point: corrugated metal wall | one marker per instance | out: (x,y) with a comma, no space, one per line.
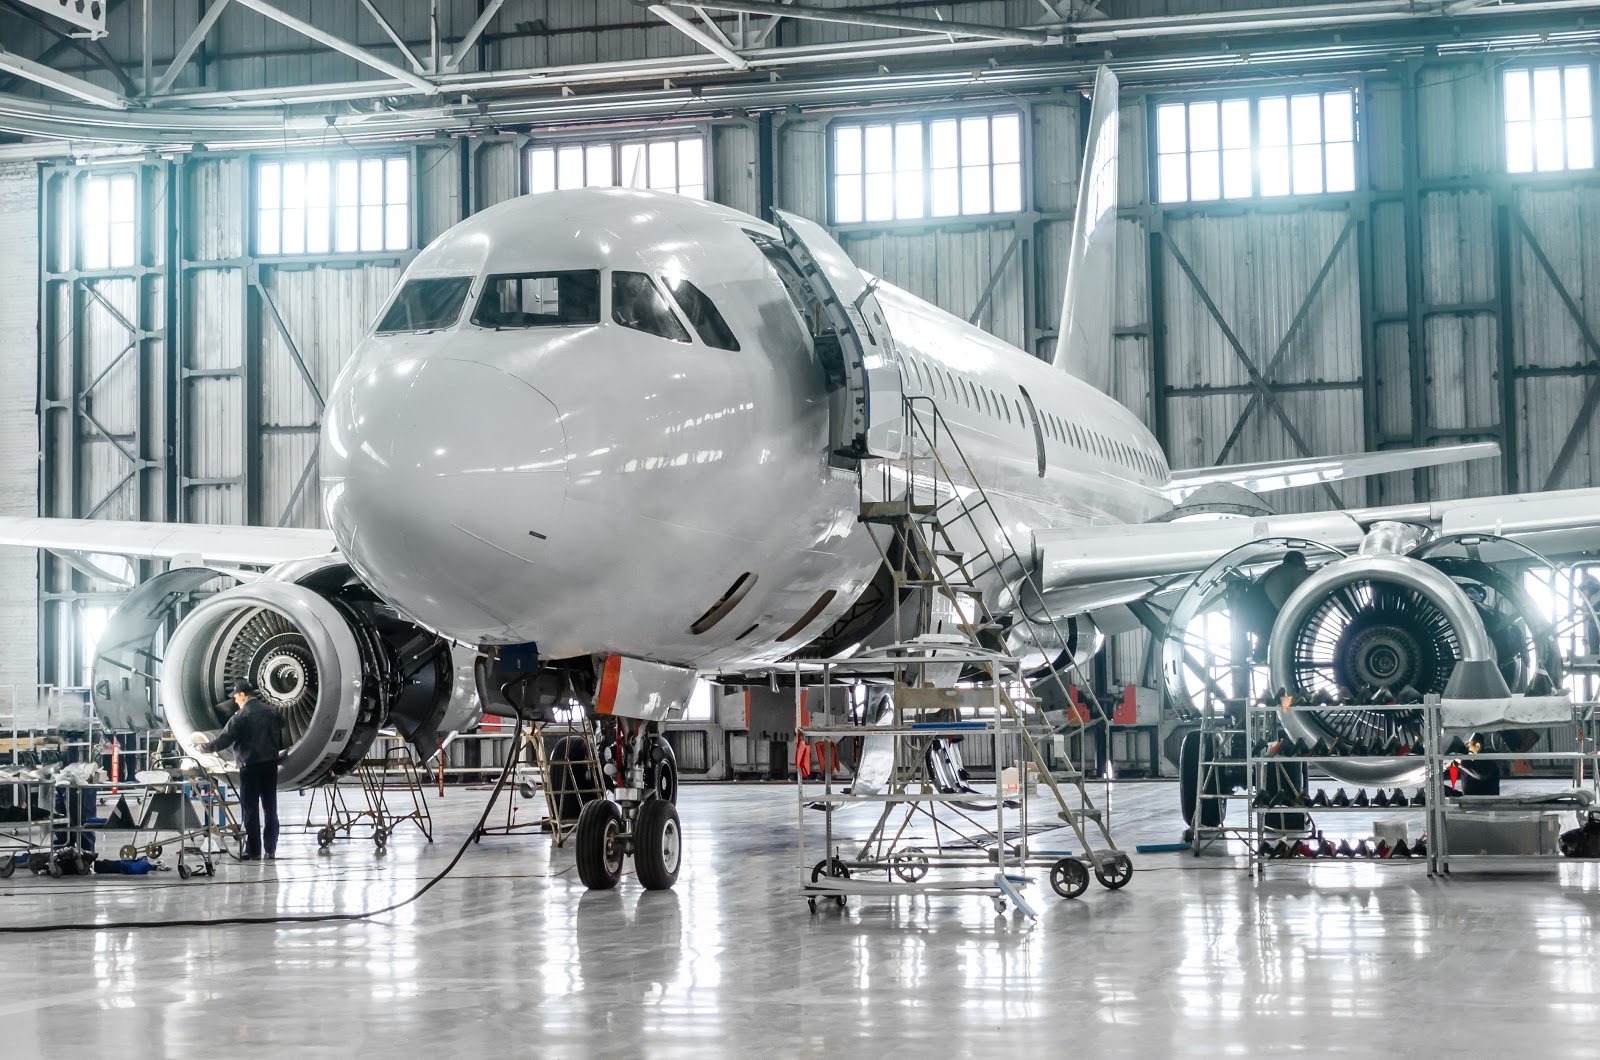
(1402,343)
(19,427)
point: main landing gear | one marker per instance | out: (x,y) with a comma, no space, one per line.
(638,817)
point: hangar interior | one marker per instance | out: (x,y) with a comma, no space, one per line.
(1340,228)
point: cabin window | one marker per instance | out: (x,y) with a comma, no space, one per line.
(638,304)
(539,300)
(702,314)
(426,305)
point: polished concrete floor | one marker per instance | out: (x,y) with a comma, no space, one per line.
(509,956)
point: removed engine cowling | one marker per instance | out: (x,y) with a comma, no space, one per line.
(335,661)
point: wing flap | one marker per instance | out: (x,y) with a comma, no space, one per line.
(248,545)
(1272,475)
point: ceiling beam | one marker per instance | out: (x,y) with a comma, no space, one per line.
(699,36)
(389,31)
(190,45)
(339,44)
(852,17)
(470,41)
(72,86)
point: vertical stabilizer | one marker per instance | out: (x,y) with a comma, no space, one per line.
(1084,342)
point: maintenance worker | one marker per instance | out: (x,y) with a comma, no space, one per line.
(1263,600)
(256,733)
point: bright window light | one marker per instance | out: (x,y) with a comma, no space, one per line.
(349,206)
(1304,144)
(106,221)
(904,170)
(1549,119)
(700,703)
(676,164)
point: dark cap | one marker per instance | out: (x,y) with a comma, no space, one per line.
(245,687)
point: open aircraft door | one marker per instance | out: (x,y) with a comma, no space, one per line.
(853,343)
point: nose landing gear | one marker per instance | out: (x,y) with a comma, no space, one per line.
(639,819)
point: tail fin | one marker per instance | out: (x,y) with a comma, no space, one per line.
(1084,341)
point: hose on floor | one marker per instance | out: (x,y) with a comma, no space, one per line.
(302,918)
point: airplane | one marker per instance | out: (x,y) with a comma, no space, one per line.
(599,443)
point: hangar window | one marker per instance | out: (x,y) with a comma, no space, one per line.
(539,300)
(1304,144)
(106,222)
(946,167)
(350,206)
(1549,119)
(674,164)
(637,303)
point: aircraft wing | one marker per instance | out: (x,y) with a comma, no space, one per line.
(230,545)
(1283,474)
(1088,567)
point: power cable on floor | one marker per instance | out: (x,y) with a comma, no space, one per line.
(302,918)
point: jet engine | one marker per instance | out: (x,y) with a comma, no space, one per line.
(1406,616)
(337,663)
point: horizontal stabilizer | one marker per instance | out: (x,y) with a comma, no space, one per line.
(1283,474)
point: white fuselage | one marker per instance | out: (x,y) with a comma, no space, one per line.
(596,488)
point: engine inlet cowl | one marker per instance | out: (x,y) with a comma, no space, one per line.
(304,652)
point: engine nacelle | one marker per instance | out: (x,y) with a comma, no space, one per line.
(334,660)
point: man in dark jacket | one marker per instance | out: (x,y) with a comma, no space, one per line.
(255,732)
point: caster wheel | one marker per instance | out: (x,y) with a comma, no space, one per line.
(53,867)
(8,865)
(999,906)
(325,836)
(183,871)
(84,864)
(1069,878)
(526,791)
(211,868)
(128,853)
(1114,872)
(812,902)
(840,901)
(600,845)
(909,864)
(155,851)
(380,839)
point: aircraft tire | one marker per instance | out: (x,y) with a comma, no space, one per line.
(657,845)
(600,850)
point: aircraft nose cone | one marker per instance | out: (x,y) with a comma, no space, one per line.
(444,481)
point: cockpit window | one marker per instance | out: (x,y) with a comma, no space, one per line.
(539,300)
(637,303)
(702,314)
(426,305)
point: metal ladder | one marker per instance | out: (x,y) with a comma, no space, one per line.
(928,502)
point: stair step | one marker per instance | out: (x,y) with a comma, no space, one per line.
(892,511)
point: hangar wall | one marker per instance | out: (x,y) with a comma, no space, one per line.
(1440,302)
(19,428)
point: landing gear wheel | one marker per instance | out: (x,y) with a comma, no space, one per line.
(831,867)
(1069,878)
(128,853)
(325,836)
(1114,872)
(8,865)
(1212,810)
(600,849)
(664,771)
(657,845)
(909,864)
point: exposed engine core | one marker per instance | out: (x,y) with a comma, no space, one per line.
(337,663)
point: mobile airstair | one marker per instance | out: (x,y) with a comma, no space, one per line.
(965,666)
